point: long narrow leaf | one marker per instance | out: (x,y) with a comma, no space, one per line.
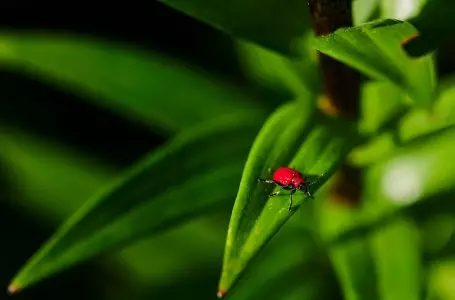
(142,85)
(40,173)
(265,22)
(256,219)
(198,170)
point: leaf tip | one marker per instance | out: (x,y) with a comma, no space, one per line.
(221,293)
(12,289)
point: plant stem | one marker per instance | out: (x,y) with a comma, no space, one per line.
(341,89)
(341,83)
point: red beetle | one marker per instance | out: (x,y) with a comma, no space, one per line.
(291,179)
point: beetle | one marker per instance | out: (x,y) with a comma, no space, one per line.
(293,180)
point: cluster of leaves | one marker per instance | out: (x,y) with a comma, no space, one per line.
(221,142)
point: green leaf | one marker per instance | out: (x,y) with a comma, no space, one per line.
(296,76)
(441,274)
(418,170)
(172,184)
(355,256)
(144,86)
(435,24)
(255,219)
(352,258)
(285,254)
(377,114)
(419,122)
(397,258)
(173,255)
(267,23)
(401,9)
(353,264)
(270,69)
(374,49)
(363,10)
(41,173)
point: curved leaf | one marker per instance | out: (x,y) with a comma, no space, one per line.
(144,86)
(374,49)
(41,174)
(256,219)
(174,183)
(268,23)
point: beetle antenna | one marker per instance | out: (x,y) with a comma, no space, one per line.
(265,180)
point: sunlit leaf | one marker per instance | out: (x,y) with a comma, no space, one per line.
(401,9)
(441,274)
(142,85)
(150,197)
(362,10)
(320,147)
(374,49)
(268,23)
(416,171)
(274,146)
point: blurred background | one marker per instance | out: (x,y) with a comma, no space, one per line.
(58,146)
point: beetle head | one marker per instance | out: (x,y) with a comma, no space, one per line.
(302,187)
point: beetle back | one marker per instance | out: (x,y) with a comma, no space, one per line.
(287,176)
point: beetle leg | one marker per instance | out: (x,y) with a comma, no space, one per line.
(307,191)
(275,193)
(309,194)
(290,203)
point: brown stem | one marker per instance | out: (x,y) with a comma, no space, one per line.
(341,89)
(347,186)
(341,83)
